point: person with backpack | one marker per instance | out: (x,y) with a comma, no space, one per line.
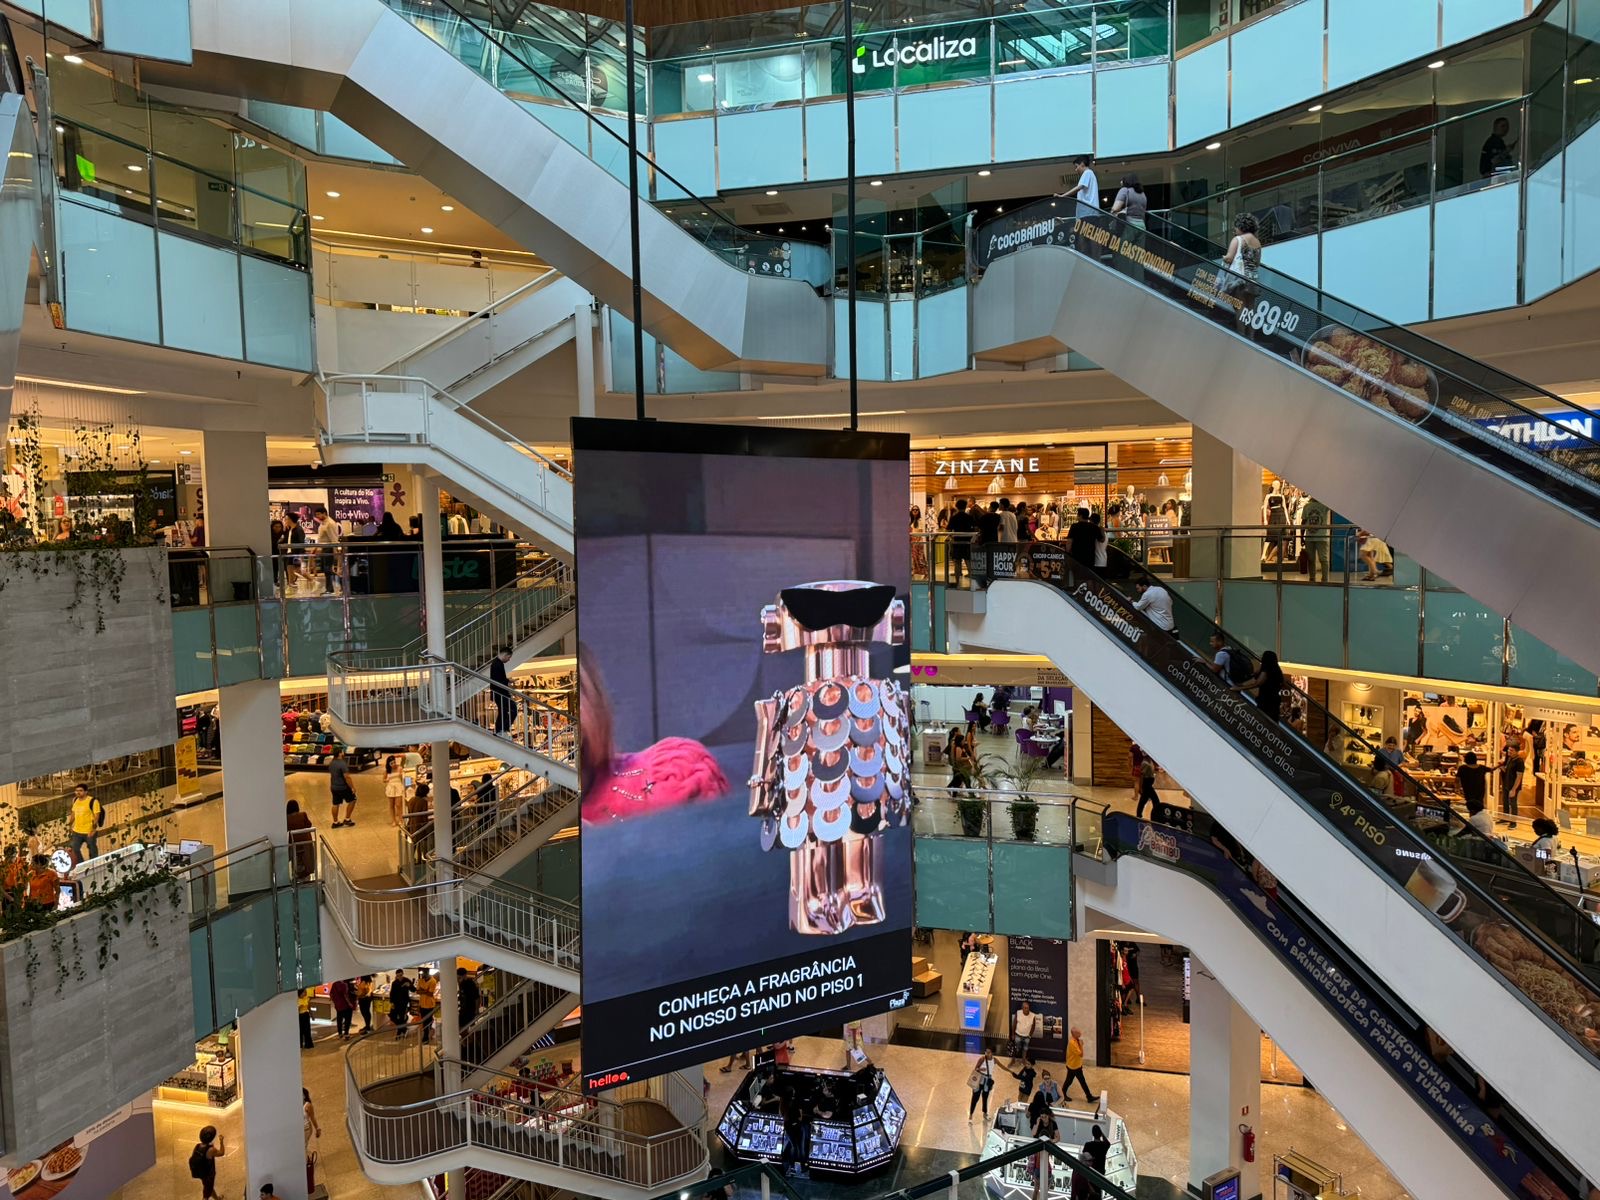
(88,815)
(203,1161)
(400,1003)
(1230,664)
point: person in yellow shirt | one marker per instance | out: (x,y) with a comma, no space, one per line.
(1075,1066)
(87,814)
(427,1001)
(364,1002)
(305,1020)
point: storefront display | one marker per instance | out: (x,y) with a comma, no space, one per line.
(212,1079)
(977,989)
(852,1120)
(1018,1180)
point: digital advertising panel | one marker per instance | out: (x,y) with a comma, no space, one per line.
(743,669)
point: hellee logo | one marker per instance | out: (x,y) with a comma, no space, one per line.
(930,50)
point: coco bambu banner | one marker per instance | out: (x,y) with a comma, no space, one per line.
(745,749)
(1396,1041)
(1426,867)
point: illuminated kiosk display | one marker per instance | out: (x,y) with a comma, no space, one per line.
(1015,1180)
(853,1118)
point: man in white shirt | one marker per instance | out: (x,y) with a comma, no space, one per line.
(1087,188)
(1026,1026)
(1155,602)
(1008,522)
(328,557)
(458,522)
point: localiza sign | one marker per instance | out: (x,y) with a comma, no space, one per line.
(926,50)
(912,57)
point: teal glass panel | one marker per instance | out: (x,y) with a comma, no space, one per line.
(1203,93)
(759,149)
(680,376)
(1131,112)
(952,883)
(1407,573)
(277,314)
(921,627)
(244,956)
(1313,625)
(1536,665)
(943,128)
(942,333)
(1250,613)
(205,1016)
(272,665)
(299,940)
(1461,639)
(200,298)
(238,652)
(108,266)
(1202,593)
(145,28)
(191,650)
(1032,890)
(1044,116)
(1383,630)
(1277,62)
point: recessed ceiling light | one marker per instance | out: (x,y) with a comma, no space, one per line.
(135,167)
(706,77)
(331,195)
(72,58)
(87,387)
(1213,145)
(185,453)
(772,191)
(1582,82)
(427,229)
(1315,108)
(877,183)
(155,462)
(1436,64)
(447,208)
(318,217)
(61,128)
(985,173)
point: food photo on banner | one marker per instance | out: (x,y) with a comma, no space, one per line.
(93,1164)
(744,752)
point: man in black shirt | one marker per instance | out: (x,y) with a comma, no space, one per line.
(468,997)
(505,704)
(963,526)
(1495,153)
(1473,777)
(1082,538)
(989,527)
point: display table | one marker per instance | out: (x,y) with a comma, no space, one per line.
(1016,1180)
(851,1119)
(977,990)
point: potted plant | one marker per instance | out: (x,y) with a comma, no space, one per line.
(970,809)
(1020,778)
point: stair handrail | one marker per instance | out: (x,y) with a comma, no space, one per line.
(483,820)
(467,324)
(533,996)
(459,621)
(460,407)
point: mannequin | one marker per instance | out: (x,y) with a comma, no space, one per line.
(1275,514)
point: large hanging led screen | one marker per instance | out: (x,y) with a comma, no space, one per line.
(744,748)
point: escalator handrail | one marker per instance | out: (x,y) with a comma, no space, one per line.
(1458,825)
(1571,476)
(1107,607)
(1376,994)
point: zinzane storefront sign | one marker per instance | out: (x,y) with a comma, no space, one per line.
(985,466)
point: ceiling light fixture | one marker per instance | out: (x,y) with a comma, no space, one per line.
(706,77)
(876,183)
(86,387)
(1315,108)
(447,208)
(318,217)
(1436,64)
(186,453)
(427,229)
(1584,82)
(985,173)
(1213,145)
(331,195)
(135,167)
(74,59)
(772,191)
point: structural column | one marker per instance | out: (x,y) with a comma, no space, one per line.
(1224,1082)
(583,343)
(273,1147)
(1227,492)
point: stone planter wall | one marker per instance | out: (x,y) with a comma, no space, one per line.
(73,694)
(74,1049)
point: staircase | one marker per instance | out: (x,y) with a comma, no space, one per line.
(387,697)
(518,1019)
(530,614)
(491,838)
(405,418)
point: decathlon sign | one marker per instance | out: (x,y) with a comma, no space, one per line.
(910,58)
(1544,430)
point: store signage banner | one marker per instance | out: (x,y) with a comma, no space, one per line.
(1036,971)
(357,506)
(743,666)
(95,1164)
(1369,828)
(911,57)
(1397,1041)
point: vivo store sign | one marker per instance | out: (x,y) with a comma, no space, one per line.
(1545,430)
(911,57)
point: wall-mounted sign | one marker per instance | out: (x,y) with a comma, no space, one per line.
(985,466)
(1546,429)
(909,58)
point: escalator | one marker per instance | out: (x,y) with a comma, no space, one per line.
(1493,957)
(1437,453)
(1416,1101)
(370,66)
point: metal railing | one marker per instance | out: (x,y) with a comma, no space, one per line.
(512,613)
(509,1020)
(350,415)
(482,830)
(468,326)
(381,689)
(1032,812)
(457,903)
(558,1127)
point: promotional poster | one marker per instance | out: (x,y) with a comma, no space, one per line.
(92,1165)
(744,755)
(1036,971)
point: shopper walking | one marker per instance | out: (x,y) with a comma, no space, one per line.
(313,1134)
(1147,789)
(1267,683)
(302,840)
(1155,602)
(1025,1078)
(1075,1065)
(294,542)
(306,1041)
(427,1002)
(981,1083)
(505,704)
(87,816)
(342,993)
(468,998)
(1025,1026)
(1317,530)
(394,789)
(962,529)
(203,1161)
(1081,539)
(1511,767)
(364,1002)
(1049,1089)
(328,553)
(343,792)
(400,1003)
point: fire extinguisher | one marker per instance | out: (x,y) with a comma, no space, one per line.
(1247,1143)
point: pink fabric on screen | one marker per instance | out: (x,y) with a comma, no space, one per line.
(673,771)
